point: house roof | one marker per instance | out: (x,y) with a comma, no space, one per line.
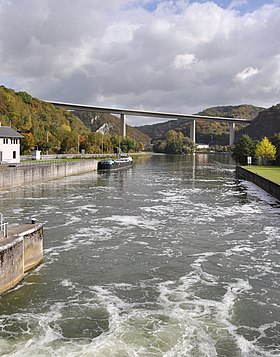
(7,132)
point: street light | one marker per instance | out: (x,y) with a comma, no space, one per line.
(78,144)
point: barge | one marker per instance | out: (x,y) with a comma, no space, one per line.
(115,164)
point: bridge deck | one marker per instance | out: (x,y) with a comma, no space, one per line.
(146,113)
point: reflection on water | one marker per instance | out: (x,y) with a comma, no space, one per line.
(172,257)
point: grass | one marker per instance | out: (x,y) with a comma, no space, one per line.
(271,173)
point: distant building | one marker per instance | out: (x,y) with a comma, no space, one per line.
(202,146)
(9,145)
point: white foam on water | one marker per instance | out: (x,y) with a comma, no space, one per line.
(87,209)
(272,236)
(67,283)
(36,335)
(243,249)
(142,222)
(182,325)
(208,315)
(181,196)
(160,210)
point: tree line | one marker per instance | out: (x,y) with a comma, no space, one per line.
(174,143)
(267,151)
(55,130)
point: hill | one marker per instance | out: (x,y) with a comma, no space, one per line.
(267,123)
(95,120)
(40,123)
(53,129)
(206,132)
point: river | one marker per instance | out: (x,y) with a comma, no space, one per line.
(173,257)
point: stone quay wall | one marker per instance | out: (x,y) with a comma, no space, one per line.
(271,187)
(19,254)
(39,172)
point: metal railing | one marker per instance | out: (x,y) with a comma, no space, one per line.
(27,160)
(3,227)
(64,156)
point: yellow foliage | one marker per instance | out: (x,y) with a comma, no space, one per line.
(266,150)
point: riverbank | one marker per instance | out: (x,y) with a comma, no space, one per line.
(271,173)
(39,171)
(51,167)
(265,178)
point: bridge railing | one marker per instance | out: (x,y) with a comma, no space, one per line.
(63,156)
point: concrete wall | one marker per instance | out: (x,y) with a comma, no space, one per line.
(11,264)
(33,248)
(269,186)
(18,255)
(39,172)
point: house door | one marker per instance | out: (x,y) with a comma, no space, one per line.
(1,156)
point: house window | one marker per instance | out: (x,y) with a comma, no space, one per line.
(6,141)
(14,154)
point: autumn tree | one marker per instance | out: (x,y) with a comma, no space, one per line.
(27,143)
(266,151)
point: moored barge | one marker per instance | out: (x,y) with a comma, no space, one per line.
(115,164)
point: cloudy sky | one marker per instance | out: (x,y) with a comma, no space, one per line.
(174,55)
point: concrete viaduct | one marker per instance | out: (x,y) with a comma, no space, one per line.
(135,112)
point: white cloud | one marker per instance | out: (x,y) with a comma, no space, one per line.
(184,61)
(246,73)
(178,56)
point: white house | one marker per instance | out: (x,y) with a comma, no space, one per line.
(9,145)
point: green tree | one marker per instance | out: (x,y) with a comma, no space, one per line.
(128,144)
(159,146)
(26,98)
(174,142)
(275,140)
(266,151)
(188,146)
(244,147)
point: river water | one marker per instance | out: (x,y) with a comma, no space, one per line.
(173,257)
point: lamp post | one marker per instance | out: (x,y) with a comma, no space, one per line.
(78,144)
(47,142)
(102,143)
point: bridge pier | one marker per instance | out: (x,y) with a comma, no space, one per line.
(231,133)
(123,125)
(192,131)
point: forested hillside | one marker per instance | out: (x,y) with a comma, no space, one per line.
(267,123)
(206,132)
(40,123)
(95,120)
(54,130)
